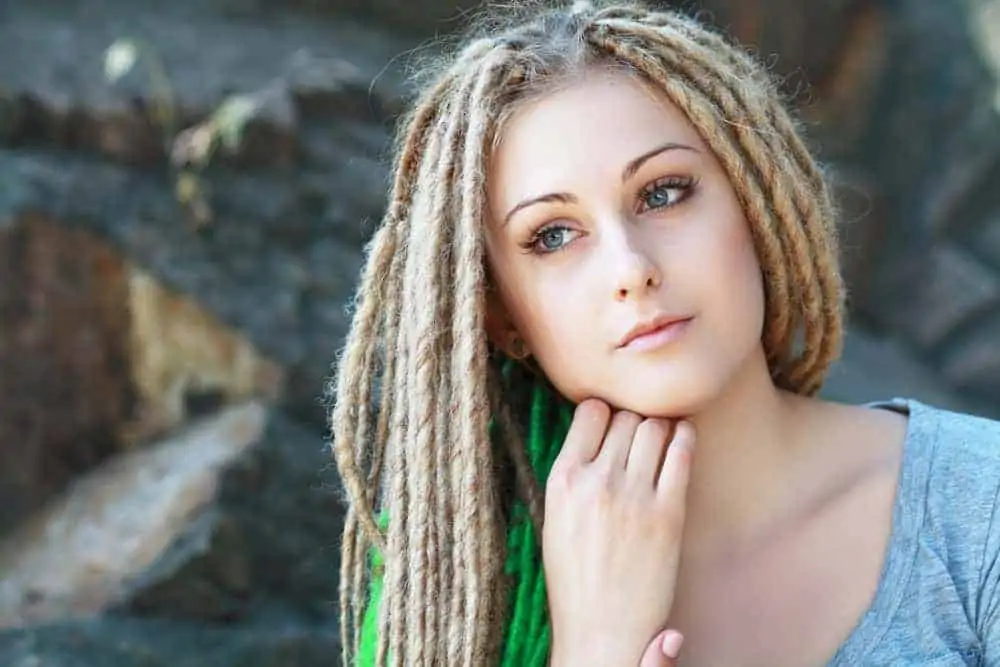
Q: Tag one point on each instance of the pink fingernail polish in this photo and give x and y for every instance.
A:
(671, 645)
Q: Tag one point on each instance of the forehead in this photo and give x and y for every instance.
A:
(601, 120)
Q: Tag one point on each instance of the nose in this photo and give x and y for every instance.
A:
(636, 272)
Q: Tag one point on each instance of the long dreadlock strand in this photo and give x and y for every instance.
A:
(477, 520)
(421, 340)
(431, 342)
(357, 372)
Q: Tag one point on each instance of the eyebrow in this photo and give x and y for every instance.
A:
(637, 163)
(630, 170)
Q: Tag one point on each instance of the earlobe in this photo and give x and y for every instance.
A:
(502, 333)
(509, 341)
(518, 349)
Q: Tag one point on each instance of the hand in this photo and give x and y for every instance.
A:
(614, 517)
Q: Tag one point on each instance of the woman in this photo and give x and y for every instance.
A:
(609, 270)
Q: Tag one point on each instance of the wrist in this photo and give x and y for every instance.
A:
(596, 651)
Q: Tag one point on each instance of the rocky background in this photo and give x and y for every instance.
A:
(185, 190)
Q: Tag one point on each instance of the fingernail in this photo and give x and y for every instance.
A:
(671, 645)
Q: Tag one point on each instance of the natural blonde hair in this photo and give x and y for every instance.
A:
(417, 384)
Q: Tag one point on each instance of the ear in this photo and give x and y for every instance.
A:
(500, 328)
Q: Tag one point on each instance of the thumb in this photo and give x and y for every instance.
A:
(663, 650)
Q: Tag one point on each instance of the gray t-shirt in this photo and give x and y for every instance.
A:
(938, 599)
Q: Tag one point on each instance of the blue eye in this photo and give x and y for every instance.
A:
(551, 239)
(665, 193)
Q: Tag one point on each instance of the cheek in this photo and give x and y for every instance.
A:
(740, 251)
(550, 313)
(744, 283)
(540, 307)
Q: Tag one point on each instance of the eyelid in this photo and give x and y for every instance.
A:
(686, 184)
(531, 245)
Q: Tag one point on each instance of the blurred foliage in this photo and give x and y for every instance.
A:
(190, 149)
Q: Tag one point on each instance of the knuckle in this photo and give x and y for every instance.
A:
(604, 483)
(560, 479)
(668, 511)
(625, 418)
(654, 430)
(685, 431)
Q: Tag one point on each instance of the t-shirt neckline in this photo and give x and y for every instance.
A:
(907, 518)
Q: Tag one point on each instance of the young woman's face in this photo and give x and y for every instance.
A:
(608, 212)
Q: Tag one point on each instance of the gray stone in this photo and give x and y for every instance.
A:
(111, 538)
(985, 237)
(273, 265)
(53, 92)
(874, 368)
(930, 300)
(114, 641)
(268, 540)
(972, 360)
(235, 516)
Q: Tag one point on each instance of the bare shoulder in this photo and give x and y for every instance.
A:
(959, 452)
(856, 441)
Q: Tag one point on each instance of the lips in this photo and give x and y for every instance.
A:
(651, 327)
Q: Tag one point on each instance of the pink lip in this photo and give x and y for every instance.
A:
(654, 333)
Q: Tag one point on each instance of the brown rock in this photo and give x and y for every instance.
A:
(65, 386)
(96, 356)
(814, 43)
(180, 355)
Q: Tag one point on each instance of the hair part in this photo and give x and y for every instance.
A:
(417, 386)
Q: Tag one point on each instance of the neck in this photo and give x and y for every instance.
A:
(744, 461)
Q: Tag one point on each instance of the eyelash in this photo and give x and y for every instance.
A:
(686, 184)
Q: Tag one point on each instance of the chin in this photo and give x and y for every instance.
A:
(678, 389)
(673, 405)
(664, 396)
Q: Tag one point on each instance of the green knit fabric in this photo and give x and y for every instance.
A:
(527, 635)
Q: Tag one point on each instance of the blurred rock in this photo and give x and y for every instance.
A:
(275, 265)
(949, 286)
(65, 386)
(972, 361)
(184, 363)
(114, 641)
(191, 57)
(227, 524)
(96, 356)
(86, 553)
(269, 541)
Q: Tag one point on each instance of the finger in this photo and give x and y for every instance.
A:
(586, 432)
(663, 650)
(671, 646)
(676, 470)
(645, 458)
(618, 441)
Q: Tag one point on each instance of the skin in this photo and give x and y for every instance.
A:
(691, 493)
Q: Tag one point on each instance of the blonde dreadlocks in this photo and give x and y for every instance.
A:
(418, 385)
